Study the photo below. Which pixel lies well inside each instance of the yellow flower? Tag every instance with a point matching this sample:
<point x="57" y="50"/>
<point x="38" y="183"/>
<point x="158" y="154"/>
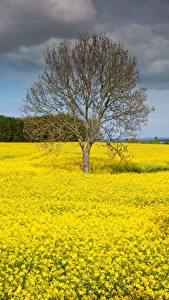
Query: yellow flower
<point x="65" y="235"/>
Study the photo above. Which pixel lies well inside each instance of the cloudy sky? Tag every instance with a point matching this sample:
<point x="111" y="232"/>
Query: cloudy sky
<point x="28" y="26"/>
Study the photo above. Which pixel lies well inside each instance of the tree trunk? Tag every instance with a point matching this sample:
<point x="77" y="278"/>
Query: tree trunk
<point x="86" y="159"/>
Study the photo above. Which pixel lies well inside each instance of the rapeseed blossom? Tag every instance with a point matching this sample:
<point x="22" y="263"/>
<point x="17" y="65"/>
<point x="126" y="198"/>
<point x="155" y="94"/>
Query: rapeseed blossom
<point x="65" y="235"/>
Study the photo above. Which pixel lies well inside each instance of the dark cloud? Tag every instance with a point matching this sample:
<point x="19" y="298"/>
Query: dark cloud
<point x="26" y="27"/>
<point x="27" y="23"/>
<point x="143" y="27"/>
<point x="141" y="11"/>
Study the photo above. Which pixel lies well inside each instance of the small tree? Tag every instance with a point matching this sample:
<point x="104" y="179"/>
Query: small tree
<point x="93" y="79"/>
<point x="48" y="128"/>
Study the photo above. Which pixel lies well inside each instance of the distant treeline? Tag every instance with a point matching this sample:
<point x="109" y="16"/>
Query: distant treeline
<point x="12" y="129"/>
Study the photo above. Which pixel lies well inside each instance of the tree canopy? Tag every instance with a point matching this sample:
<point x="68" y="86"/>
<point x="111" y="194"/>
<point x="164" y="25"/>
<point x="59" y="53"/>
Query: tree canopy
<point x="94" y="80"/>
<point x="11" y="129"/>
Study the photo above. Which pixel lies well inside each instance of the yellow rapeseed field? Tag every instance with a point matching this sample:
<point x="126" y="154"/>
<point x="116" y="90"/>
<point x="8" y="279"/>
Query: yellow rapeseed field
<point x="66" y="235"/>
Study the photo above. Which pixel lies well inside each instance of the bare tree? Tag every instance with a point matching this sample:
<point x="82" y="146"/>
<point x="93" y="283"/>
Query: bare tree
<point x="93" y="79"/>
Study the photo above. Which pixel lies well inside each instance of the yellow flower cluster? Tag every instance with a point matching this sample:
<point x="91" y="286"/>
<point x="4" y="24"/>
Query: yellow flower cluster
<point x="65" y="235"/>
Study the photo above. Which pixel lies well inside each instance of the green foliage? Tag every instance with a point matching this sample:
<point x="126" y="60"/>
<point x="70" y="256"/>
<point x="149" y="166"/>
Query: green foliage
<point x="122" y="167"/>
<point x="40" y="128"/>
<point x="11" y="129"/>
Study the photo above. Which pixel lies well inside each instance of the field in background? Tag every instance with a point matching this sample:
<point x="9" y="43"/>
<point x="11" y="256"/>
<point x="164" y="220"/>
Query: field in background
<point x="65" y="235"/>
<point x="67" y="156"/>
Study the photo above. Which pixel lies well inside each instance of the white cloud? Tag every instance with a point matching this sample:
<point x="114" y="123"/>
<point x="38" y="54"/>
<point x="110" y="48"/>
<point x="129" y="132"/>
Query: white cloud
<point x="70" y="11"/>
<point x="30" y="57"/>
<point x="60" y="10"/>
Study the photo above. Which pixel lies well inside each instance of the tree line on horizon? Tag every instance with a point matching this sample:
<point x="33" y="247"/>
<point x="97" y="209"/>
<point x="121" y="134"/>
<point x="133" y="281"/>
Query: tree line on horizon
<point x="18" y="129"/>
<point x="12" y="130"/>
